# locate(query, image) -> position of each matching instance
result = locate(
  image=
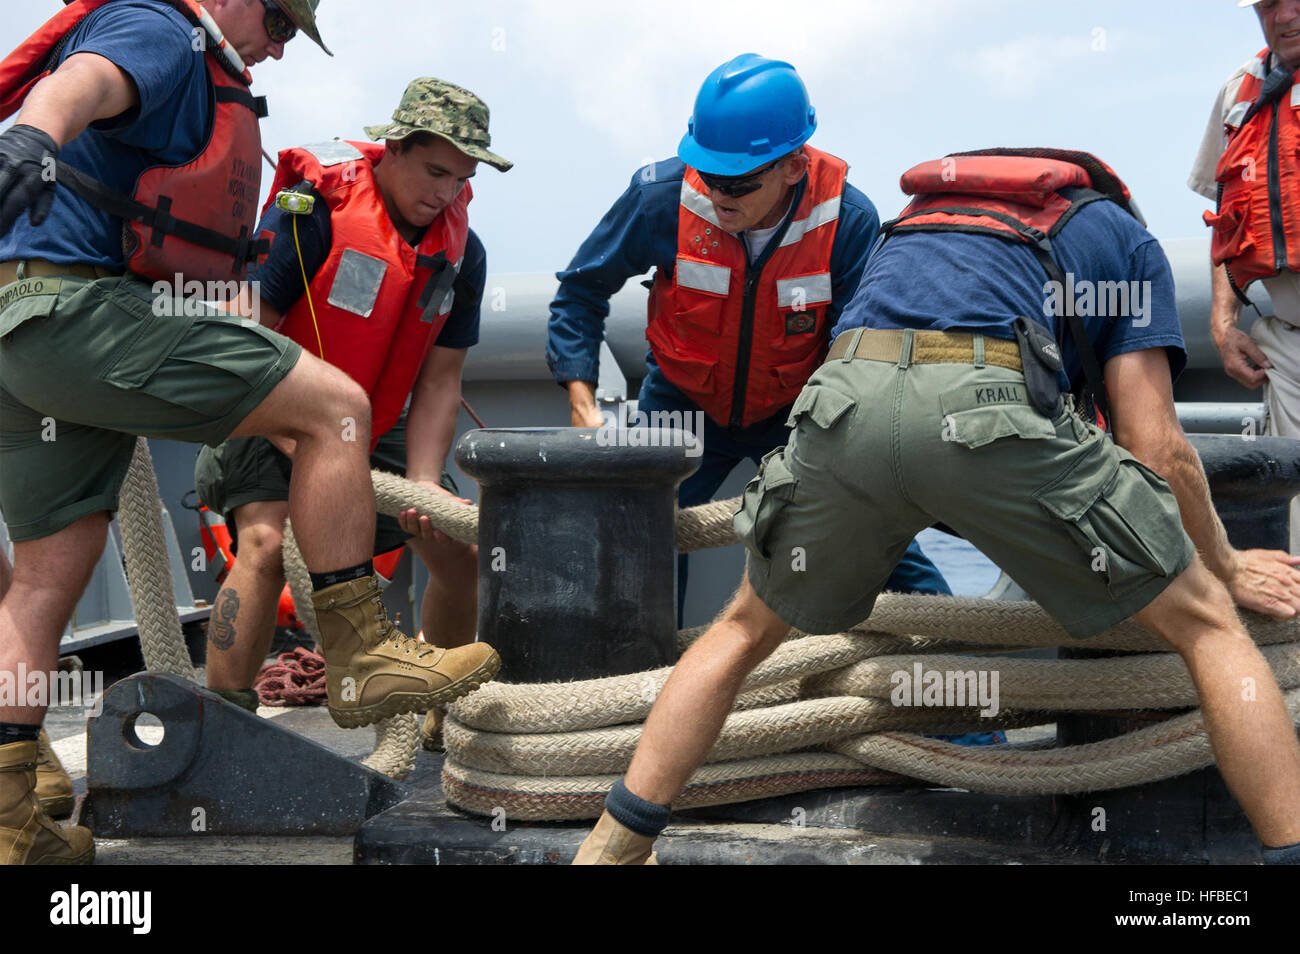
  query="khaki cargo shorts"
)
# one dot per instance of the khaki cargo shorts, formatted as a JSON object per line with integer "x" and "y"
{"x": 880, "y": 451}
{"x": 247, "y": 470}
{"x": 85, "y": 366}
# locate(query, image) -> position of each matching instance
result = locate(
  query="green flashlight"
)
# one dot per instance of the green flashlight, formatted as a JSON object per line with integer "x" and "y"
{"x": 295, "y": 203}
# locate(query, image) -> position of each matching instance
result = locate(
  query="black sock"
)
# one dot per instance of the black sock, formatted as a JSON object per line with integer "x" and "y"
{"x": 321, "y": 580}
{"x": 18, "y": 732}
{"x": 634, "y": 812}
{"x": 1283, "y": 855}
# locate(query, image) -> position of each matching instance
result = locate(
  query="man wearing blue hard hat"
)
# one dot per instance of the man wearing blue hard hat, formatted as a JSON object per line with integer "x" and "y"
{"x": 757, "y": 242}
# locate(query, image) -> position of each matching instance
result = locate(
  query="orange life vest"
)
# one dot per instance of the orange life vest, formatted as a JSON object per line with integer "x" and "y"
{"x": 194, "y": 219}
{"x": 1021, "y": 195}
{"x": 1256, "y": 227}
{"x": 379, "y": 303}
{"x": 742, "y": 344}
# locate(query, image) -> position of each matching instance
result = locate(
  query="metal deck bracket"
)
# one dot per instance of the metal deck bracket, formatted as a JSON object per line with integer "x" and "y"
{"x": 218, "y": 770}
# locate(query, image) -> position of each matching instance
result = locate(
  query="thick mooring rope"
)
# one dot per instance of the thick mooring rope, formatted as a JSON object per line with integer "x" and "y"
{"x": 148, "y": 571}
{"x": 698, "y": 528}
{"x": 533, "y": 717}
{"x": 1165, "y": 750}
{"x": 550, "y": 751}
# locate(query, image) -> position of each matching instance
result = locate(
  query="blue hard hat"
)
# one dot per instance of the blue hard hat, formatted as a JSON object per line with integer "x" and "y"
{"x": 750, "y": 111}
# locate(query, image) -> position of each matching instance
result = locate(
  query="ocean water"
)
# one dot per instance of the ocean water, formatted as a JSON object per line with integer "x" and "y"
{"x": 968, "y": 571}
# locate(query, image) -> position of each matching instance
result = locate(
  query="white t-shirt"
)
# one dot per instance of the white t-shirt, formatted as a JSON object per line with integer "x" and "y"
{"x": 756, "y": 239}
{"x": 1284, "y": 289}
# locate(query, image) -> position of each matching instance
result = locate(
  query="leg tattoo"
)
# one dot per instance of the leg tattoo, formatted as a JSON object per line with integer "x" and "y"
{"x": 221, "y": 625}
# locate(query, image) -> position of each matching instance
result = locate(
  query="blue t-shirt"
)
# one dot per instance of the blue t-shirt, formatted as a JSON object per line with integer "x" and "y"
{"x": 280, "y": 274}
{"x": 154, "y": 44}
{"x": 639, "y": 233}
{"x": 977, "y": 283}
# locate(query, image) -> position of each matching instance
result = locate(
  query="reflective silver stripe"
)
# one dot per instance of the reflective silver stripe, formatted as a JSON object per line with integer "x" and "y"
{"x": 450, "y": 298}
{"x": 697, "y": 203}
{"x": 1295, "y": 95}
{"x": 356, "y": 284}
{"x": 714, "y": 279}
{"x": 333, "y": 153}
{"x": 807, "y": 290}
{"x": 1238, "y": 112}
{"x": 1256, "y": 68}
{"x": 822, "y": 213}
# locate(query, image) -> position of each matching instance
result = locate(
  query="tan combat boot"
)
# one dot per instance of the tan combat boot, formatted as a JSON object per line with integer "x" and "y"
{"x": 373, "y": 671}
{"x": 53, "y": 786}
{"x": 612, "y": 844}
{"x": 27, "y": 835}
{"x": 431, "y": 731}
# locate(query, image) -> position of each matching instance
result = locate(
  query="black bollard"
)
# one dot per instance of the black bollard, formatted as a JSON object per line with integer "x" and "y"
{"x": 577, "y": 551}
{"x": 1252, "y": 480}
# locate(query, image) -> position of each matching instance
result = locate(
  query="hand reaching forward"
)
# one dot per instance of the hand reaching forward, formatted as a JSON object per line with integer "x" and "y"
{"x": 1268, "y": 582}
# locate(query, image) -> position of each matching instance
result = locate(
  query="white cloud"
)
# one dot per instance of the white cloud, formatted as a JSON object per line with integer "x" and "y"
{"x": 631, "y": 72}
{"x": 1016, "y": 68}
{"x": 1013, "y": 69}
{"x": 626, "y": 74}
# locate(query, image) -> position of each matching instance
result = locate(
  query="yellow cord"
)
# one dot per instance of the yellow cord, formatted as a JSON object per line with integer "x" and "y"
{"x": 307, "y": 286}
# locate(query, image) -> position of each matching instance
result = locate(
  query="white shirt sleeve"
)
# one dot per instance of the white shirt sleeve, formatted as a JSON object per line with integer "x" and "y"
{"x": 1215, "y": 140}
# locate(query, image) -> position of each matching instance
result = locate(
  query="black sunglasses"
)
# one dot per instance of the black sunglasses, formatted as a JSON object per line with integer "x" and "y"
{"x": 279, "y": 28}
{"x": 736, "y": 186}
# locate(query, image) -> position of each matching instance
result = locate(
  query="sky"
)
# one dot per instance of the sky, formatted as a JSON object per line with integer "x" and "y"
{"x": 583, "y": 92}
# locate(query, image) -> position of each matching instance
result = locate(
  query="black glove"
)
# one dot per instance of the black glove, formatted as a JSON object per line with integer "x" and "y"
{"x": 26, "y": 174}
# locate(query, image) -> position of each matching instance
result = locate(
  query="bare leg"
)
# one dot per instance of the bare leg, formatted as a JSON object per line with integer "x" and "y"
{"x": 6, "y": 574}
{"x": 688, "y": 715}
{"x": 331, "y": 501}
{"x": 449, "y": 610}
{"x": 243, "y": 616}
{"x": 1250, "y": 730}
{"x": 49, "y": 577}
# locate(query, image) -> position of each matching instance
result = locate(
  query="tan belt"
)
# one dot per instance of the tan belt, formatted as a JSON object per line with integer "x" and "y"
{"x": 928, "y": 347}
{"x": 39, "y": 268}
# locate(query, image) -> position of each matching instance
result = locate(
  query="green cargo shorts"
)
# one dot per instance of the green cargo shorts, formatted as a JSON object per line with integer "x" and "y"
{"x": 85, "y": 366}
{"x": 247, "y": 470}
{"x": 880, "y": 451}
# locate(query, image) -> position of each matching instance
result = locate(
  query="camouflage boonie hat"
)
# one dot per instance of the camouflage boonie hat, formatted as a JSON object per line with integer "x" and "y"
{"x": 303, "y": 15}
{"x": 449, "y": 112}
